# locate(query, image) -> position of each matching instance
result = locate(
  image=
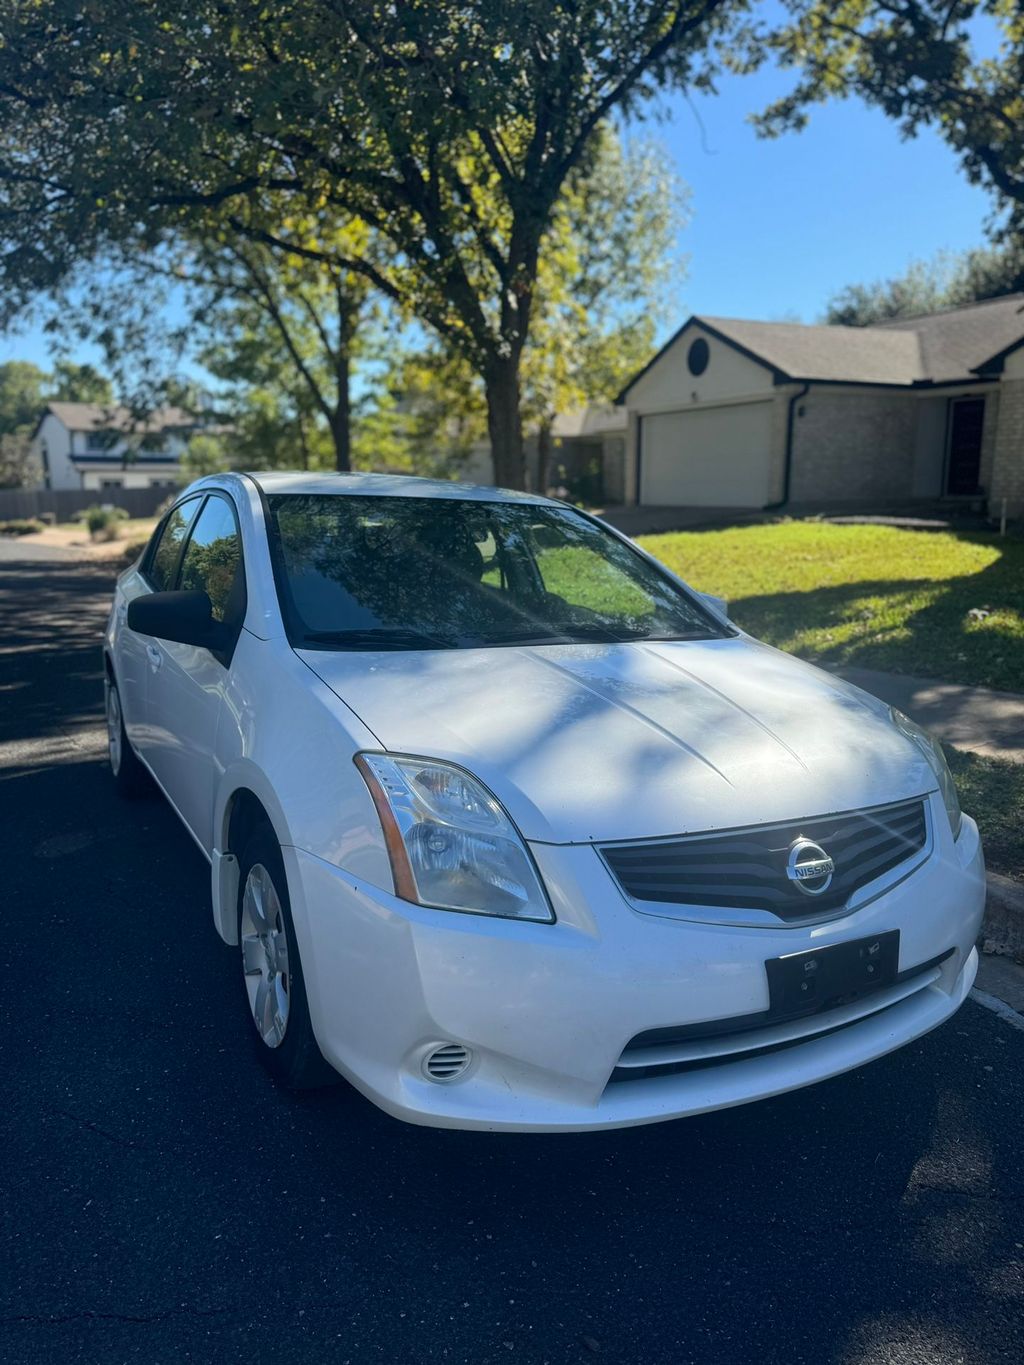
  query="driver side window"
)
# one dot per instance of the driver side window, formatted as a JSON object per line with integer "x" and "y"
{"x": 163, "y": 559}
{"x": 213, "y": 560}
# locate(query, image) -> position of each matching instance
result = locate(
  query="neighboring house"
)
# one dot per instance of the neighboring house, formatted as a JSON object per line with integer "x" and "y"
{"x": 755, "y": 414}
{"x": 88, "y": 445}
{"x": 588, "y": 447}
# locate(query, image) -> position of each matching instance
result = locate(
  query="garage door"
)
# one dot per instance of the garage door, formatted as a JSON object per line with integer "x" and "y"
{"x": 706, "y": 457}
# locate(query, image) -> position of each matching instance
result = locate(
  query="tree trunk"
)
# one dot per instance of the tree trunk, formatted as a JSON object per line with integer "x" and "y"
{"x": 341, "y": 418}
{"x": 303, "y": 442}
{"x": 544, "y": 456}
{"x": 504, "y": 424}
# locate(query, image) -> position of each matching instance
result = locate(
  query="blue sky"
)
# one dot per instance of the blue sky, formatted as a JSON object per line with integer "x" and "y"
{"x": 779, "y": 226}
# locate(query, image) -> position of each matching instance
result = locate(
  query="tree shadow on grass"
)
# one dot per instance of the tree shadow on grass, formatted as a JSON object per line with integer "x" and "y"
{"x": 922, "y": 627}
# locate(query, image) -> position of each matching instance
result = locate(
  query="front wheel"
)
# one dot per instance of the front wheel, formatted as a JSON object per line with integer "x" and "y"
{"x": 271, "y": 970}
{"x": 130, "y": 777}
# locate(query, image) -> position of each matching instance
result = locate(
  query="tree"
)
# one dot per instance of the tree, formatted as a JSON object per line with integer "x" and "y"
{"x": 18, "y": 465}
{"x": 23, "y": 389}
{"x": 917, "y": 60}
{"x": 600, "y": 296}
{"x": 449, "y": 126}
{"x": 22, "y": 397}
{"x": 947, "y": 281}
{"x": 204, "y": 454}
{"x": 424, "y": 414}
{"x": 284, "y": 331}
{"x": 73, "y": 383}
{"x": 605, "y": 265}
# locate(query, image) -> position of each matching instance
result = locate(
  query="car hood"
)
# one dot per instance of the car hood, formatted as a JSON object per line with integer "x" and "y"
{"x": 589, "y": 743}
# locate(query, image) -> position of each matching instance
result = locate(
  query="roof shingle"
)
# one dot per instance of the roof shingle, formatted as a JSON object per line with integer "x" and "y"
{"x": 937, "y": 348}
{"x": 113, "y": 417}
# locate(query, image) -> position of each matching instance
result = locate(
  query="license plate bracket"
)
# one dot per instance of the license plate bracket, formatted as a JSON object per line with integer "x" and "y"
{"x": 819, "y": 978}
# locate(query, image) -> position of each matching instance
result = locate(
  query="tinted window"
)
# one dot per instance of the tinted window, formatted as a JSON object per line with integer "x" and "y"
{"x": 163, "y": 562}
{"x": 401, "y": 573}
{"x": 213, "y": 560}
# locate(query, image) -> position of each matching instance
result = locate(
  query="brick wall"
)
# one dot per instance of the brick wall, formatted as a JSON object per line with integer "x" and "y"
{"x": 1008, "y": 457}
{"x": 988, "y": 439}
{"x": 853, "y": 447}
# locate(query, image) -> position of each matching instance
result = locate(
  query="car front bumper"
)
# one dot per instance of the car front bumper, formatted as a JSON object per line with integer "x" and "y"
{"x": 548, "y": 1009}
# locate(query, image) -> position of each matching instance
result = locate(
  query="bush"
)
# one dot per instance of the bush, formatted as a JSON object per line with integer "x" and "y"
{"x": 101, "y": 522}
{"x": 20, "y": 526}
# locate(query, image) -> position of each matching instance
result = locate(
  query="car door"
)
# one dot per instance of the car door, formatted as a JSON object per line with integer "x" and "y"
{"x": 134, "y": 654}
{"x": 186, "y": 688}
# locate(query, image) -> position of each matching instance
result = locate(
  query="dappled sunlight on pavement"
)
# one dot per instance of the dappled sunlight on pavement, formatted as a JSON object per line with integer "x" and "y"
{"x": 164, "y": 1202}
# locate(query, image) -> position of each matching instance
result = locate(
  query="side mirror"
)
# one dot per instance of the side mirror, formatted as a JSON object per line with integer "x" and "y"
{"x": 186, "y": 617}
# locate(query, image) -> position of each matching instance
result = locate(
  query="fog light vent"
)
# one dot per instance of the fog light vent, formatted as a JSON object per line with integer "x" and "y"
{"x": 447, "y": 1062}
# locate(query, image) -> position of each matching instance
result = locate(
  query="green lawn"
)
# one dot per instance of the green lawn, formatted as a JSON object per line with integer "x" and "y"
{"x": 940, "y": 605}
{"x": 993, "y": 792}
{"x": 937, "y": 604}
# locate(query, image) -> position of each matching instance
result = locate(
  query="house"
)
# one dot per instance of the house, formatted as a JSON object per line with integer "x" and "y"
{"x": 586, "y": 453}
{"x": 732, "y": 413}
{"x": 89, "y": 445}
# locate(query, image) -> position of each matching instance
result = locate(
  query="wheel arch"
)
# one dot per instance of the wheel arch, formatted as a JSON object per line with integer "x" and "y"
{"x": 245, "y": 802}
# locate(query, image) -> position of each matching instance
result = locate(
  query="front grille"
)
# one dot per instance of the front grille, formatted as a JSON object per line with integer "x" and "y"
{"x": 746, "y": 869}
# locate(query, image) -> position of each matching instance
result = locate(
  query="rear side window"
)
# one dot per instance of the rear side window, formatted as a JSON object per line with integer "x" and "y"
{"x": 213, "y": 560}
{"x": 163, "y": 560}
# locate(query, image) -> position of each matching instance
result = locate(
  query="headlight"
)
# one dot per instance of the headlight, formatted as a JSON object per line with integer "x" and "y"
{"x": 450, "y": 843}
{"x": 932, "y": 750}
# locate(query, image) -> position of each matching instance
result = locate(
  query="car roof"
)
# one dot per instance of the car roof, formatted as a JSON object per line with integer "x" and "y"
{"x": 383, "y": 486}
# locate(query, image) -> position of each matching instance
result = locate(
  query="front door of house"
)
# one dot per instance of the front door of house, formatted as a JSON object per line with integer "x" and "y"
{"x": 963, "y": 465}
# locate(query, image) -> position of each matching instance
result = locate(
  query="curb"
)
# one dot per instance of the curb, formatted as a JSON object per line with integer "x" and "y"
{"x": 1003, "y": 929}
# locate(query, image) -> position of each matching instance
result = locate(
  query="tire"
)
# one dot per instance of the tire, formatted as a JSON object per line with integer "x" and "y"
{"x": 130, "y": 777}
{"x": 272, "y": 980}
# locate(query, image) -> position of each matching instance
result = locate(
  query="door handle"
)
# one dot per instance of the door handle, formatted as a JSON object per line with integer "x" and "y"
{"x": 154, "y": 656}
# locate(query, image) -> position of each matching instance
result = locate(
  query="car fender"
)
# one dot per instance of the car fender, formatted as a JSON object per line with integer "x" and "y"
{"x": 303, "y": 766}
{"x": 243, "y": 775}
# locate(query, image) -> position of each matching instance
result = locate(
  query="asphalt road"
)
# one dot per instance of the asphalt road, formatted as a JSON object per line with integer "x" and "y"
{"x": 162, "y": 1202}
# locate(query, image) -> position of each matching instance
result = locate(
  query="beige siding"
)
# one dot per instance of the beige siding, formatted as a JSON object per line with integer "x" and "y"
{"x": 669, "y": 385}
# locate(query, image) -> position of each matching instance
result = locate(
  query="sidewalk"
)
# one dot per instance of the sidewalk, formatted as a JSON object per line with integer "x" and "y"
{"x": 974, "y": 718}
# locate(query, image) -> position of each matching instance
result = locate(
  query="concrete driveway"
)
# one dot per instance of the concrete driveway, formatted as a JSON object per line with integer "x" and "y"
{"x": 163, "y": 1203}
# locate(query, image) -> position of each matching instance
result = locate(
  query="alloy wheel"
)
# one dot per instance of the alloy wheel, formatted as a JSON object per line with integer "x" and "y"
{"x": 265, "y": 956}
{"x": 114, "y": 728}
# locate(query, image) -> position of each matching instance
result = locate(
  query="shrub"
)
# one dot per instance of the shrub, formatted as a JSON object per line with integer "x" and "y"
{"x": 101, "y": 522}
{"x": 20, "y": 526}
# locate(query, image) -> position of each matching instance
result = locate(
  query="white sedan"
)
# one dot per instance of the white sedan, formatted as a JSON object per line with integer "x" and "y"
{"x": 514, "y": 830}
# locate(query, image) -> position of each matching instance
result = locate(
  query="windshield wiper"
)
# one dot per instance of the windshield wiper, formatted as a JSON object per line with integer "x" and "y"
{"x": 385, "y": 637}
{"x": 585, "y": 634}
{"x": 567, "y": 635}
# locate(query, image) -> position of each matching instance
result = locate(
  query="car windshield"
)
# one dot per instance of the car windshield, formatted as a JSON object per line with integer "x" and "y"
{"x": 359, "y": 572}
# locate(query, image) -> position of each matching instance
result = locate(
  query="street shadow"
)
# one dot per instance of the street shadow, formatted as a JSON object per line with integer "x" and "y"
{"x": 831, "y": 1224}
{"x": 163, "y": 1198}
{"x": 51, "y": 624}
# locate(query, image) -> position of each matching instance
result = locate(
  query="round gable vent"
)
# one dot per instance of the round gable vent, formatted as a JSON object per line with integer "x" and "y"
{"x": 697, "y": 356}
